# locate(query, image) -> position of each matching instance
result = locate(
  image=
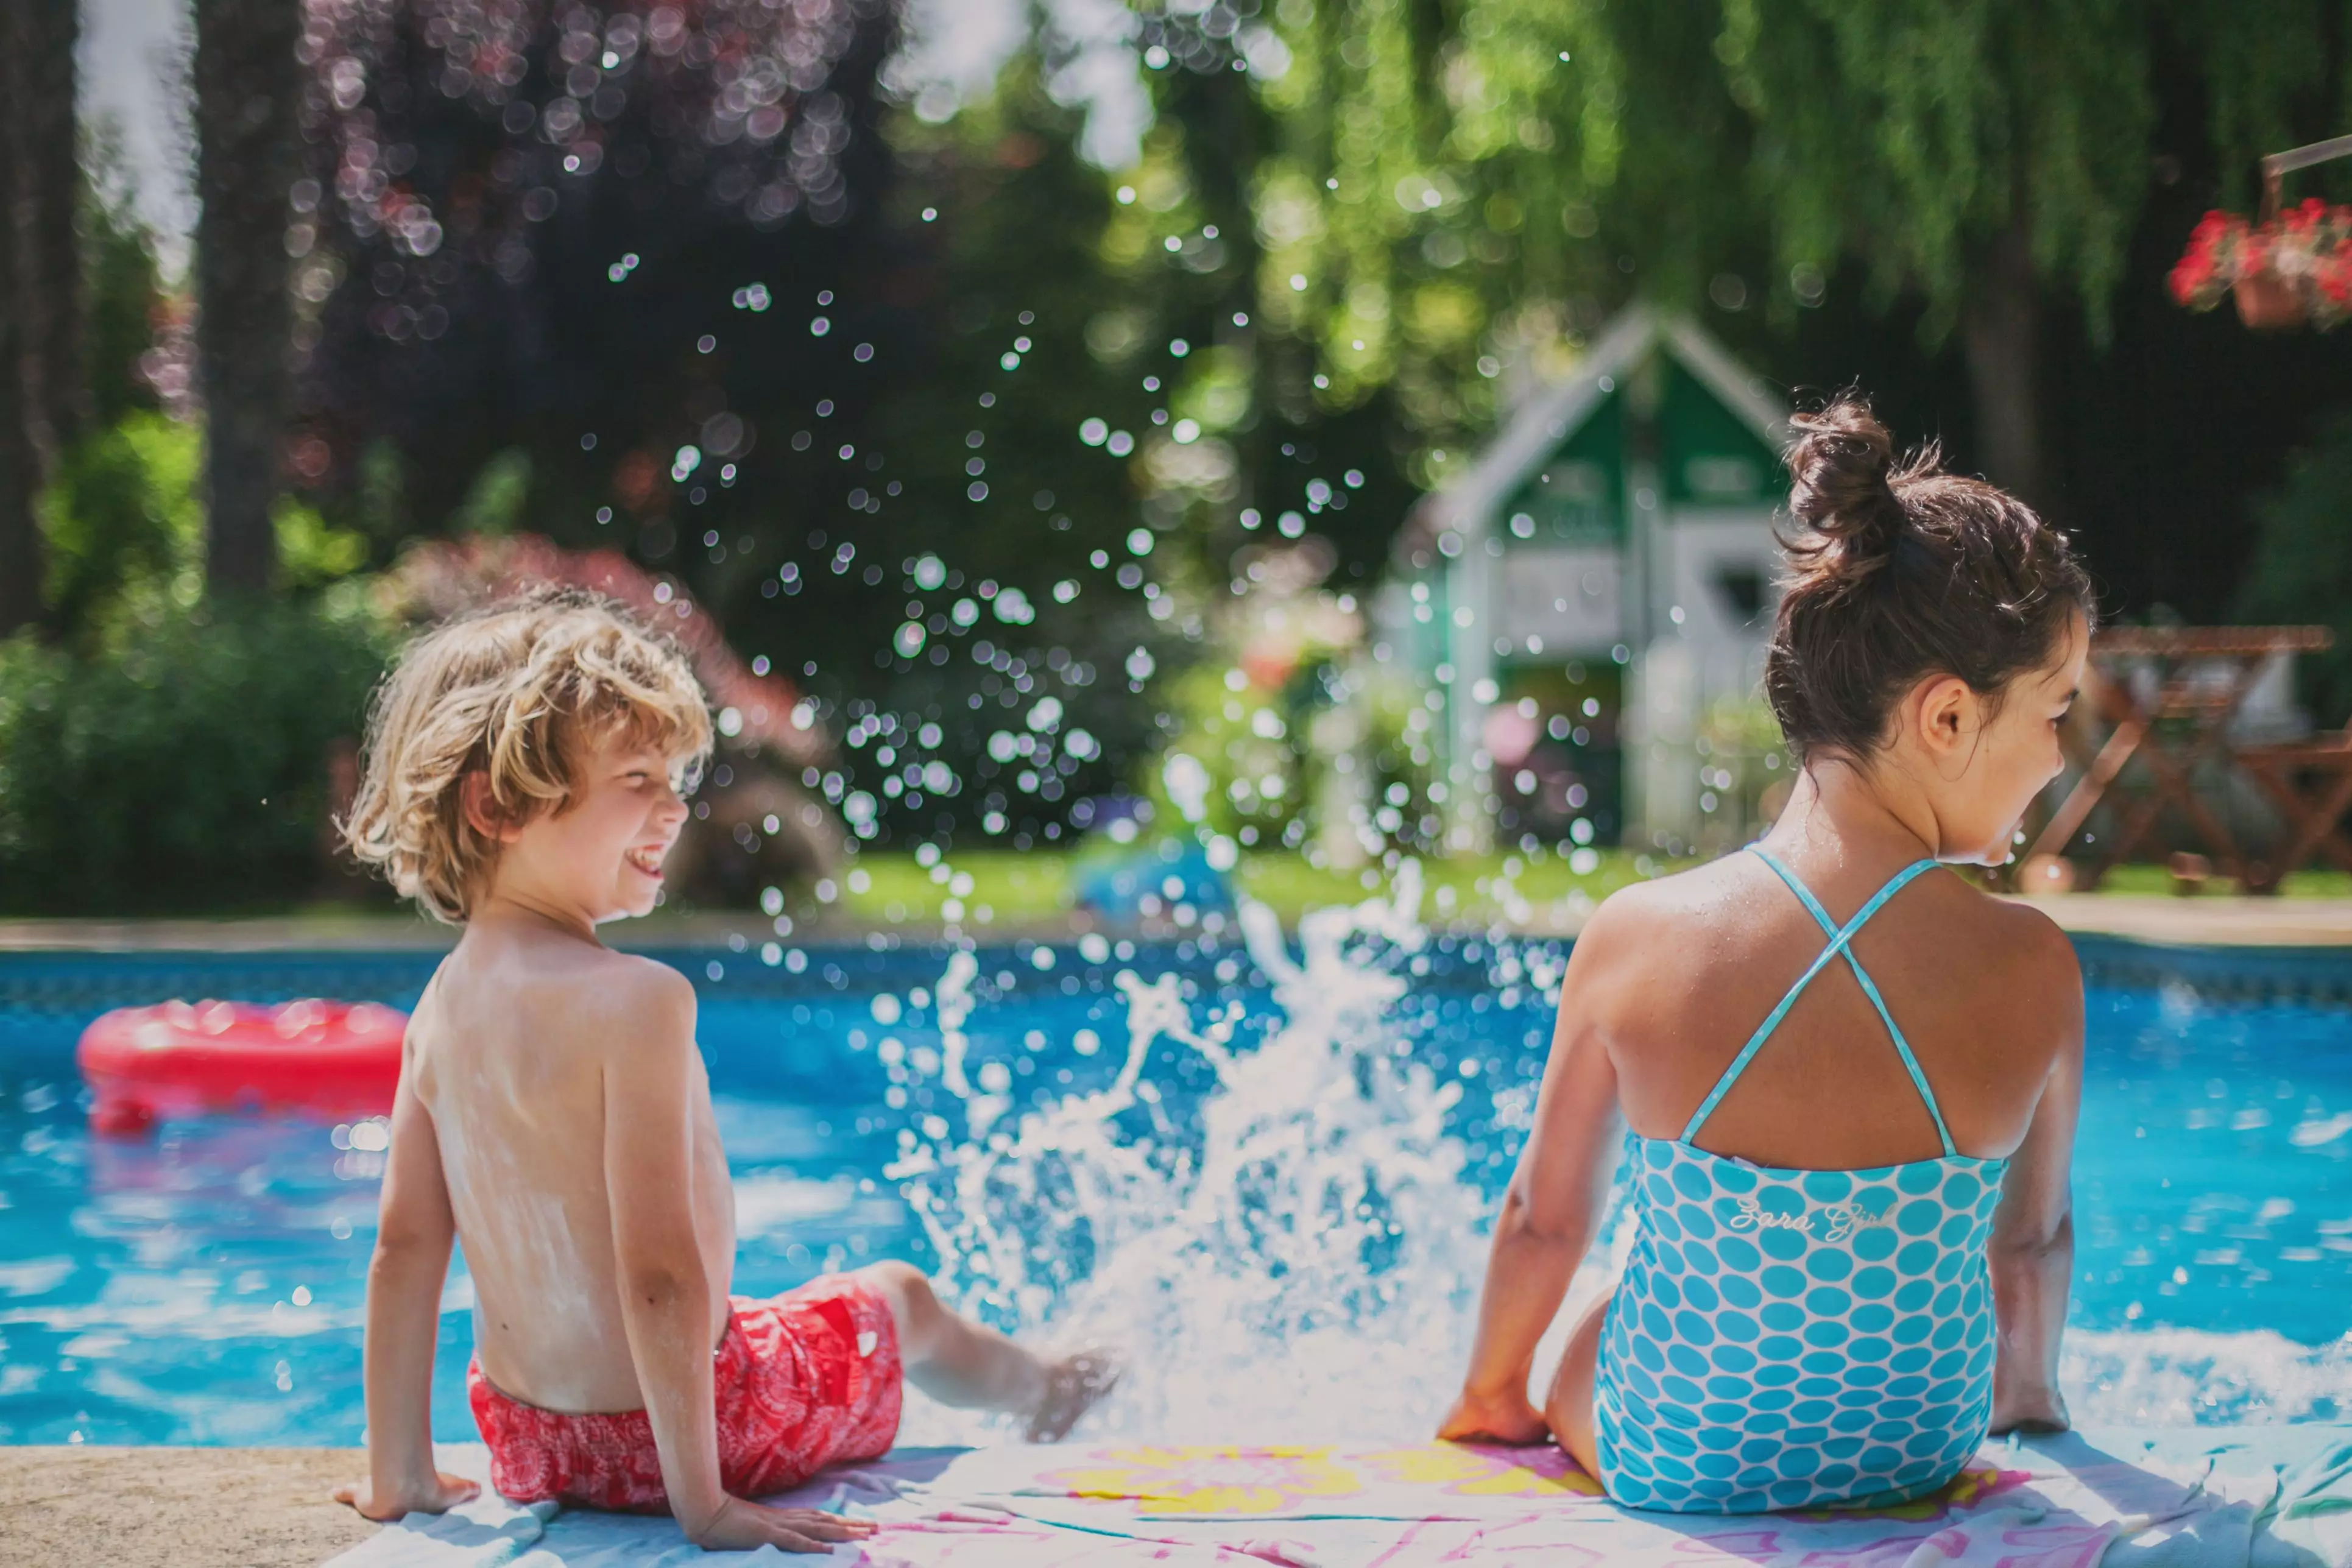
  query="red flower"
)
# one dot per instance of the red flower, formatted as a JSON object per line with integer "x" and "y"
{"x": 2333, "y": 277}
{"x": 2208, "y": 266}
{"x": 2308, "y": 248}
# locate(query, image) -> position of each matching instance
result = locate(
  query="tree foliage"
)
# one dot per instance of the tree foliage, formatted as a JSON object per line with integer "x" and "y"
{"x": 654, "y": 280}
{"x": 2302, "y": 569}
{"x": 532, "y": 227}
{"x": 972, "y": 597}
{"x": 122, "y": 287}
{"x": 1450, "y": 188}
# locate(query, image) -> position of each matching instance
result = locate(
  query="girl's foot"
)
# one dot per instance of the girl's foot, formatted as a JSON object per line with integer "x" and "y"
{"x": 1074, "y": 1385}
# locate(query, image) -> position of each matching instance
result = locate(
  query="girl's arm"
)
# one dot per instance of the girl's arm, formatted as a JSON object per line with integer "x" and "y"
{"x": 1549, "y": 1211}
{"x": 2032, "y": 1255}
{"x": 414, "y": 1230}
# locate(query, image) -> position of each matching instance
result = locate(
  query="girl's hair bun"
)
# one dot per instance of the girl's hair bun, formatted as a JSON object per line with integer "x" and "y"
{"x": 1843, "y": 473}
{"x": 1899, "y": 569}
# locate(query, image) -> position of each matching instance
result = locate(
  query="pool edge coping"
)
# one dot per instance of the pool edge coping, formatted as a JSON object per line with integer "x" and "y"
{"x": 2153, "y": 919}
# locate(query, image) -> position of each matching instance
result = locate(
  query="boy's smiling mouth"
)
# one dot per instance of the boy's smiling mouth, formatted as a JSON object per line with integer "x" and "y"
{"x": 646, "y": 860}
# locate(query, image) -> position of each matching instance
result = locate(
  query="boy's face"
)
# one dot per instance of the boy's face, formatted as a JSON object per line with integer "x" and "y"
{"x": 603, "y": 853}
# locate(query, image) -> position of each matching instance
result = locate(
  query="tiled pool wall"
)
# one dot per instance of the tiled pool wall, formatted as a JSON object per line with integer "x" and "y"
{"x": 52, "y": 985}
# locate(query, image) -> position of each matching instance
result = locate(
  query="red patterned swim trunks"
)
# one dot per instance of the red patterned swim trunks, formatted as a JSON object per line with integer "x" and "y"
{"x": 807, "y": 1379}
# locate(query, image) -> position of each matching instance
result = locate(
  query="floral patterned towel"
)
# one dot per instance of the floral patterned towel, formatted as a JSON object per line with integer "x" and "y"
{"x": 2209, "y": 1497}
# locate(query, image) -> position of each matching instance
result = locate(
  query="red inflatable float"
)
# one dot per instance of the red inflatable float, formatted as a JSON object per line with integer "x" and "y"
{"x": 185, "y": 1058}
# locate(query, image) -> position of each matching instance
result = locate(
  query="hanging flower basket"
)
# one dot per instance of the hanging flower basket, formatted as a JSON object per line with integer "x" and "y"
{"x": 2285, "y": 271}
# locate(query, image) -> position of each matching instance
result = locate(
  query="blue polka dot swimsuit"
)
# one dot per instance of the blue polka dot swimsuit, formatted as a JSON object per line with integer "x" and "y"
{"x": 1797, "y": 1339}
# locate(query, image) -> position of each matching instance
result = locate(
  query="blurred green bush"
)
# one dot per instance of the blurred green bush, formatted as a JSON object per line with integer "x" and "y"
{"x": 123, "y": 522}
{"x": 184, "y": 761}
{"x": 124, "y": 511}
{"x": 2302, "y": 570}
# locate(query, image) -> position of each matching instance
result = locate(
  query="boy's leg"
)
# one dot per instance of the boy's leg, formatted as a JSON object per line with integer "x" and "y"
{"x": 959, "y": 1361}
{"x": 949, "y": 1357}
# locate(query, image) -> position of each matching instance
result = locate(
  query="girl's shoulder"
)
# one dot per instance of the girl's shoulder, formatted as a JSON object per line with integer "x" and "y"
{"x": 2000, "y": 932}
{"x": 2025, "y": 940}
{"x": 1664, "y": 916}
{"x": 1713, "y": 890}
{"x": 1716, "y": 908}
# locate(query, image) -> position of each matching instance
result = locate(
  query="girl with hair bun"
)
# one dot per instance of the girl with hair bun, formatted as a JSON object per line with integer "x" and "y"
{"x": 1848, "y": 1080}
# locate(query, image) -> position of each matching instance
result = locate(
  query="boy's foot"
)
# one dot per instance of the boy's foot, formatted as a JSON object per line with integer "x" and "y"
{"x": 1073, "y": 1386}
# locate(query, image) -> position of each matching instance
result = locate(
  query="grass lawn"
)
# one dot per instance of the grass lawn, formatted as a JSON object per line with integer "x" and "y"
{"x": 1028, "y": 888}
{"x": 1021, "y": 886}
{"x": 1010, "y": 890}
{"x": 1025, "y": 888}
{"x": 2307, "y": 884}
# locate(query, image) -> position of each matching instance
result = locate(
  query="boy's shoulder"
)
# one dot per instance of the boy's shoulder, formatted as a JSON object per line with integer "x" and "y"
{"x": 632, "y": 970}
{"x": 628, "y": 987}
{"x": 577, "y": 988}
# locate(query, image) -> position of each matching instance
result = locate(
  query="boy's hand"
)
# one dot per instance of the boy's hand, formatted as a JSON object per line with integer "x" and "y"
{"x": 740, "y": 1526}
{"x": 443, "y": 1493}
{"x": 1507, "y": 1418}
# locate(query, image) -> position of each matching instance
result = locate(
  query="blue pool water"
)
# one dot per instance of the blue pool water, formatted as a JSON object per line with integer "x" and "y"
{"x": 1279, "y": 1196}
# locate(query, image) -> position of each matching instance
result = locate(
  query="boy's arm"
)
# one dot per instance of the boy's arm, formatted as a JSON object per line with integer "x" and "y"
{"x": 414, "y": 1230}
{"x": 653, "y": 1092}
{"x": 1550, "y": 1210}
{"x": 2032, "y": 1255}
{"x": 650, "y": 1088}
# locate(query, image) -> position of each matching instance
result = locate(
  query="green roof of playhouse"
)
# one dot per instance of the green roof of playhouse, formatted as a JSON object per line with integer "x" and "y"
{"x": 1557, "y": 467}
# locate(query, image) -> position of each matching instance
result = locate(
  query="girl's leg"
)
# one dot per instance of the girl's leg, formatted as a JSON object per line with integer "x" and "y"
{"x": 961, "y": 1362}
{"x": 1569, "y": 1406}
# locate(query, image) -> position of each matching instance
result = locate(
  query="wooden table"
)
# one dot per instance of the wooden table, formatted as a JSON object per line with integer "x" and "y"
{"x": 2204, "y": 673}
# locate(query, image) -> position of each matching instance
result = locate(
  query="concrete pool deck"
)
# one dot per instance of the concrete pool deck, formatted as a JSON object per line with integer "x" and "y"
{"x": 176, "y": 1508}
{"x": 2202, "y": 922}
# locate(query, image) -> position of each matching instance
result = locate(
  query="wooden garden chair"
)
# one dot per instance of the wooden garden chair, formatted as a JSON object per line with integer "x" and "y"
{"x": 2186, "y": 727}
{"x": 2311, "y": 783}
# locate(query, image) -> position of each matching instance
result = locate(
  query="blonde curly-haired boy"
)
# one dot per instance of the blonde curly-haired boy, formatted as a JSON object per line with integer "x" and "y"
{"x": 524, "y": 778}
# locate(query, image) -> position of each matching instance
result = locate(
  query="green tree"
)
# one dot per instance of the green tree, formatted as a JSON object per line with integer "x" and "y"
{"x": 999, "y": 526}
{"x": 29, "y": 90}
{"x": 1453, "y": 184}
{"x": 2302, "y": 570}
{"x": 1974, "y": 154}
{"x": 122, "y": 286}
{"x": 1451, "y": 193}
{"x": 122, "y": 516}
{"x": 247, "y": 88}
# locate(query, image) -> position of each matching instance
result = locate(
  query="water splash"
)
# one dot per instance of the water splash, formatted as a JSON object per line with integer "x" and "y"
{"x": 2188, "y": 1378}
{"x": 1299, "y": 1254}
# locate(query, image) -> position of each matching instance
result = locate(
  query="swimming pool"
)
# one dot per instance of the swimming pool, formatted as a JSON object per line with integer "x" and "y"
{"x": 1276, "y": 1190}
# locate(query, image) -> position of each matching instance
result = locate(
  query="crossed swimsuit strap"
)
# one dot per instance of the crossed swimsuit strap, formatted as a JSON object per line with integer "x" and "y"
{"x": 1841, "y": 938}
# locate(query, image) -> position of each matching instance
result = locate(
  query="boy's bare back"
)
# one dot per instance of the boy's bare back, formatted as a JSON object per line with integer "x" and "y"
{"x": 521, "y": 1049}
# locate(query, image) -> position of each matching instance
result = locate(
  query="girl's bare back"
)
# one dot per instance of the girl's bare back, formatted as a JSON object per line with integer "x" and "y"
{"x": 1984, "y": 991}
